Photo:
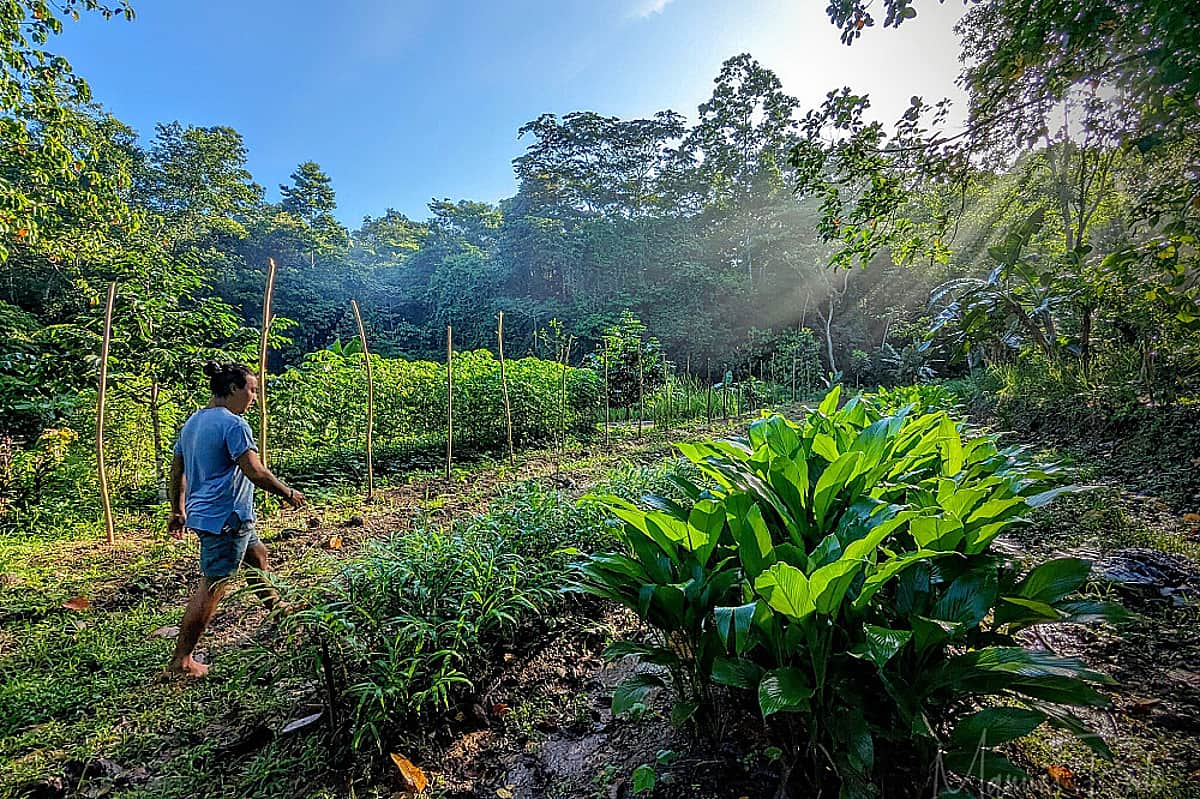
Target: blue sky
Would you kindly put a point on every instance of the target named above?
(402, 102)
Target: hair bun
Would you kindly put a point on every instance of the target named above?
(212, 369)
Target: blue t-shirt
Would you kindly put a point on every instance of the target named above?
(211, 441)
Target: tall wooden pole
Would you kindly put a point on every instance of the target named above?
(562, 402)
(100, 465)
(262, 362)
(641, 390)
(708, 396)
(512, 456)
(667, 391)
(449, 398)
(362, 337)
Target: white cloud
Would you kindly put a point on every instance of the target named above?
(648, 8)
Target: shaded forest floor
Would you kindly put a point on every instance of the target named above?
(83, 711)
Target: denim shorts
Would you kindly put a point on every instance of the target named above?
(221, 554)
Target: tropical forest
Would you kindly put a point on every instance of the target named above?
(811, 439)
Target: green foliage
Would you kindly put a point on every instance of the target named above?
(631, 359)
(406, 628)
(923, 397)
(840, 571)
(320, 406)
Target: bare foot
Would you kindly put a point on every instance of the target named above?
(189, 667)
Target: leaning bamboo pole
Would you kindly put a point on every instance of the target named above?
(362, 337)
(449, 398)
(262, 362)
(512, 455)
(102, 471)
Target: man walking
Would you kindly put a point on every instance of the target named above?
(216, 467)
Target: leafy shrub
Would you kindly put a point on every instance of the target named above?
(923, 397)
(839, 574)
(632, 360)
(321, 405)
(405, 629)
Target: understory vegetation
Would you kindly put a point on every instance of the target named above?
(840, 571)
(768, 451)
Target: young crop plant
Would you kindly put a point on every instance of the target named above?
(838, 576)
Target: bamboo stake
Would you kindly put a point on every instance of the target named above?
(725, 395)
(562, 402)
(607, 403)
(793, 379)
(362, 337)
(641, 390)
(667, 392)
(512, 456)
(262, 362)
(449, 399)
(100, 465)
(708, 397)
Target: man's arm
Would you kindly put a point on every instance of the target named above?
(177, 487)
(261, 476)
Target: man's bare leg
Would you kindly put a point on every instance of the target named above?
(256, 559)
(199, 611)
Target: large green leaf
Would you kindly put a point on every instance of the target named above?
(830, 403)
(940, 533)
(647, 652)
(634, 690)
(786, 590)
(832, 482)
(828, 584)
(733, 623)
(1012, 663)
(736, 673)
(784, 689)
(777, 434)
(1022, 612)
(752, 538)
(825, 446)
(889, 569)
(993, 726)
(1054, 579)
(950, 444)
(881, 644)
(969, 598)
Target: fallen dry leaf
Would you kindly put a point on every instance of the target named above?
(1188, 678)
(500, 709)
(1192, 518)
(1143, 705)
(335, 542)
(1063, 776)
(300, 724)
(504, 793)
(165, 632)
(77, 603)
(414, 779)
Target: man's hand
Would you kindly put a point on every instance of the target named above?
(296, 499)
(176, 525)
